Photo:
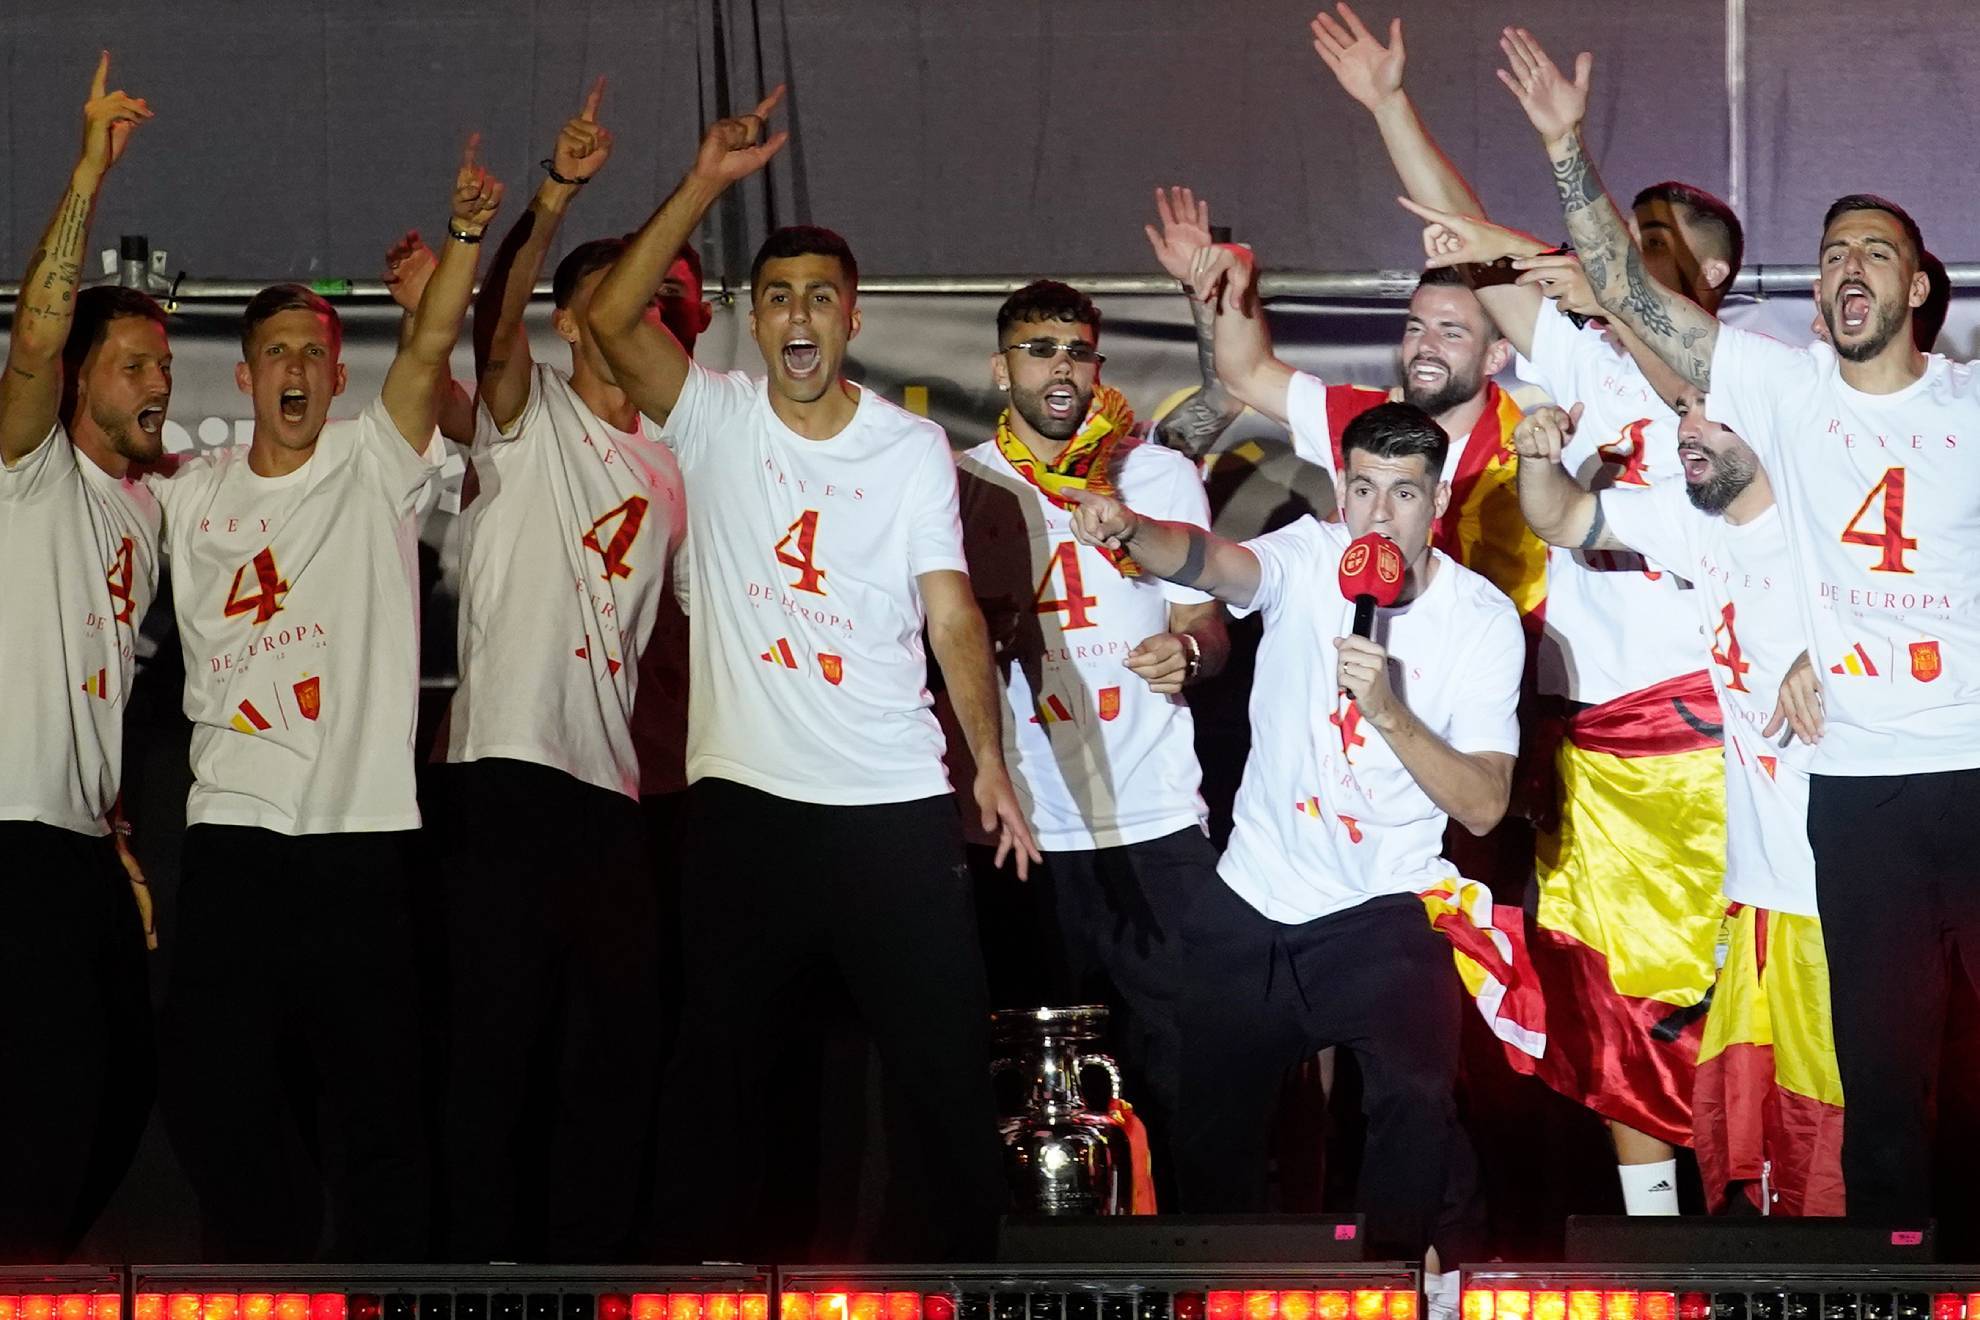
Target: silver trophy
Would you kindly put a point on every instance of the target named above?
(1060, 1157)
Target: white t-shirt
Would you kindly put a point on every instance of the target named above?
(1751, 617)
(567, 543)
(1881, 494)
(1098, 760)
(809, 674)
(298, 605)
(1327, 817)
(1615, 624)
(78, 569)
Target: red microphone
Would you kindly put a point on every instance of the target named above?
(1371, 576)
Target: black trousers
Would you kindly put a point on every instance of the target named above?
(554, 1008)
(778, 894)
(1261, 996)
(293, 983)
(75, 1032)
(1895, 879)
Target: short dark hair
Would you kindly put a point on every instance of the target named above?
(1047, 300)
(1397, 430)
(1705, 210)
(95, 309)
(1872, 202)
(803, 241)
(278, 298)
(599, 253)
(1448, 277)
(1929, 317)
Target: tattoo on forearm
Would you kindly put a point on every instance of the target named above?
(1644, 300)
(1191, 571)
(1596, 526)
(1195, 423)
(1576, 181)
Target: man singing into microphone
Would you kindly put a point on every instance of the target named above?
(1362, 748)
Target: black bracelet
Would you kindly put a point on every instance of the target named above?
(459, 237)
(549, 165)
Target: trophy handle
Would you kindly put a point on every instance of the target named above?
(1107, 1066)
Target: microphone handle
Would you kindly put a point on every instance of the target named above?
(1364, 616)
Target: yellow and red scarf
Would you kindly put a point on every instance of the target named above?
(1085, 463)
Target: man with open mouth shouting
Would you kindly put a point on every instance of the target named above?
(297, 597)
(823, 534)
(83, 397)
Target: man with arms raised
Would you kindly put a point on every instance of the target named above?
(823, 533)
(1098, 737)
(83, 397)
(554, 960)
(1620, 649)
(1871, 448)
(1767, 1117)
(297, 598)
(1317, 936)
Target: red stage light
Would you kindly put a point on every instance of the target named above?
(1293, 1306)
(106, 1306)
(683, 1306)
(1550, 1306)
(1694, 1306)
(1658, 1306)
(756, 1306)
(1370, 1304)
(1331, 1306)
(866, 1306)
(903, 1306)
(614, 1306)
(72, 1306)
(791, 1306)
(939, 1306)
(1261, 1304)
(721, 1306)
(1402, 1304)
(1224, 1306)
(1948, 1306)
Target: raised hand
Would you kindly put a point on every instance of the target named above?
(409, 265)
(735, 148)
(1367, 70)
(1100, 520)
(1554, 105)
(1558, 275)
(1461, 240)
(1543, 433)
(583, 144)
(108, 118)
(1185, 230)
(476, 192)
(1225, 267)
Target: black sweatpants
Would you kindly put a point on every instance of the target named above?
(75, 1032)
(1896, 883)
(554, 1007)
(292, 979)
(778, 893)
(1261, 996)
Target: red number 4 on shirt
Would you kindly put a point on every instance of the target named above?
(265, 601)
(795, 551)
(1891, 538)
(1075, 603)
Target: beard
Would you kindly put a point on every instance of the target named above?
(126, 437)
(1030, 405)
(1458, 388)
(1732, 472)
(1889, 320)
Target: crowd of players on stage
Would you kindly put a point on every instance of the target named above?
(1686, 649)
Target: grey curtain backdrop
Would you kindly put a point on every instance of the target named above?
(295, 138)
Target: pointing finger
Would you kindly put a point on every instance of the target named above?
(590, 112)
(101, 81)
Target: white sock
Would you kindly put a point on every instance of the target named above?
(1650, 1189)
(1440, 1292)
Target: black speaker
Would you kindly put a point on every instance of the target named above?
(1180, 1239)
(1687, 1240)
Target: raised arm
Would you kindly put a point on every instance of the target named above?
(409, 265)
(501, 343)
(1193, 425)
(1676, 329)
(1175, 552)
(1557, 507)
(1372, 74)
(413, 380)
(31, 386)
(1483, 253)
(1225, 279)
(647, 361)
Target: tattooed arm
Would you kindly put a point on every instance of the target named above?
(1676, 329)
(31, 386)
(1175, 552)
(1193, 425)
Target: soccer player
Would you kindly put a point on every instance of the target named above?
(1098, 738)
(1619, 650)
(553, 948)
(1317, 936)
(1767, 1115)
(297, 599)
(83, 396)
(823, 534)
(1869, 443)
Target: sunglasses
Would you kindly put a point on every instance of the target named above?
(1076, 350)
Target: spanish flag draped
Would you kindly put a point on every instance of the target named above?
(1625, 932)
(1768, 1106)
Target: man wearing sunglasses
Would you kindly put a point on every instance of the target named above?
(1094, 655)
